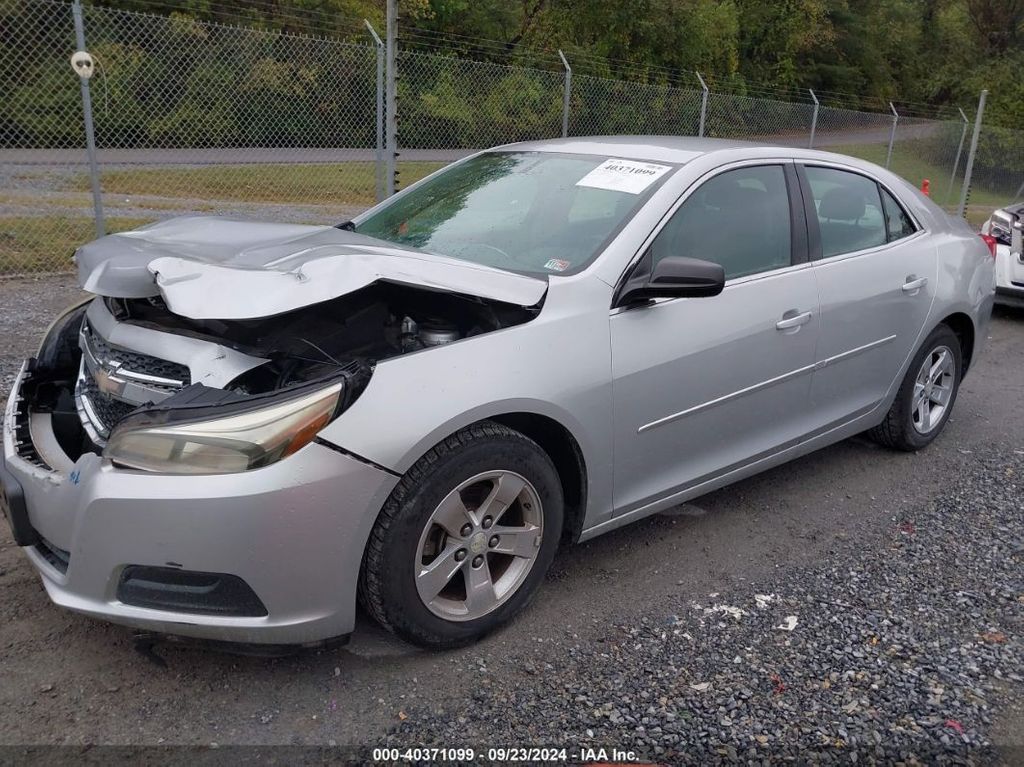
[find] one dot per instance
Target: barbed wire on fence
(205, 117)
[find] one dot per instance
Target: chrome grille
(102, 410)
(152, 371)
(112, 382)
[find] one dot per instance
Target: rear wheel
(465, 539)
(926, 396)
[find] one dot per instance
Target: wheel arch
(567, 456)
(963, 327)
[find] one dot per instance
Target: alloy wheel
(933, 389)
(479, 545)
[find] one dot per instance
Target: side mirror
(673, 277)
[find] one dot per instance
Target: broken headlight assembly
(244, 434)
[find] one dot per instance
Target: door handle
(793, 320)
(914, 284)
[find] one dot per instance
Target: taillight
(991, 242)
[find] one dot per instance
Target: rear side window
(849, 211)
(897, 223)
(739, 219)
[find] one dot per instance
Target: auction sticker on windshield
(624, 175)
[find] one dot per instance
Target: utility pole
(379, 165)
(83, 65)
(391, 98)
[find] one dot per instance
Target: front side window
(533, 212)
(849, 210)
(739, 219)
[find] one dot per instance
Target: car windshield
(534, 212)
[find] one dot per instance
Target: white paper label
(624, 175)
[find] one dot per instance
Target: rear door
(701, 385)
(876, 270)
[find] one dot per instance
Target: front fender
(557, 365)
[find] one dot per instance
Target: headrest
(842, 204)
(734, 197)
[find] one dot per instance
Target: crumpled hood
(212, 267)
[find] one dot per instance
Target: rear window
(849, 210)
(897, 223)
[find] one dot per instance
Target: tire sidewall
(941, 336)
(407, 614)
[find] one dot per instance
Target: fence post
(90, 134)
(567, 89)
(892, 134)
(814, 119)
(703, 105)
(956, 162)
(391, 99)
(379, 166)
(969, 168)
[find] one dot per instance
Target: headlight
(255, 437)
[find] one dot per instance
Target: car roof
(681, 149)
(674, 149)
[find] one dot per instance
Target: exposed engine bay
(88, 385)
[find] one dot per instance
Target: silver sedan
(253, 425)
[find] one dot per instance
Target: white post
(391, 99)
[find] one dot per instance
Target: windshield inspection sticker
(557, 265)
(624, 176)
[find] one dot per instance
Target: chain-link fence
(194, 117)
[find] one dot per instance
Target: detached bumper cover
(12, 507)
(294, 532)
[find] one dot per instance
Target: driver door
(702, 385)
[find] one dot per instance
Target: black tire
(898, 431)
(387, 588)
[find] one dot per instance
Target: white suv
(1002, 232)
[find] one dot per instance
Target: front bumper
(294, 532)
(1009, 277)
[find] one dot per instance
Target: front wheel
(926, 396)
(465, 539)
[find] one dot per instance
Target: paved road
(247, 156)
(68, 679)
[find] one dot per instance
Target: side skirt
(729, 476)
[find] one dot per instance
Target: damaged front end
(152, 390)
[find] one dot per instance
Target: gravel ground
(894, 651)
(27, 307)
